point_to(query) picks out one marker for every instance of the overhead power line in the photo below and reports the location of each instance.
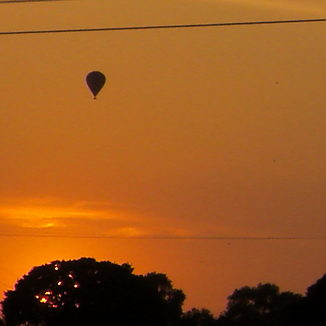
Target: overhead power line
(155, 27)
(19, 1)
(158, 237)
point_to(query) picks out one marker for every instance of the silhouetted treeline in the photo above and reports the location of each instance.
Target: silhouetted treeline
(87, 292)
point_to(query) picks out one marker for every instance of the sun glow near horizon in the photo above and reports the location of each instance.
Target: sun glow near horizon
(80, 219)
(45, 214)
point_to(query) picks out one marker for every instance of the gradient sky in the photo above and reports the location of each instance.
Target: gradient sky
(197, 133)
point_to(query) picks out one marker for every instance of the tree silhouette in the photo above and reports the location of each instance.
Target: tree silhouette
(198, 317)
(310, 310)
(86, 292)
(257, 306)
(316, 295)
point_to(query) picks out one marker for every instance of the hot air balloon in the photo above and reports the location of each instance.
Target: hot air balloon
(95, 81)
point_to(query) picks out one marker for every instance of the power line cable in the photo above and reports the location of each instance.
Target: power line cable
(228, 238)
(19, 1)
(156, 27)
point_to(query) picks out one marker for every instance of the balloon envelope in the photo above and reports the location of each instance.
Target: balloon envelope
(95, 81)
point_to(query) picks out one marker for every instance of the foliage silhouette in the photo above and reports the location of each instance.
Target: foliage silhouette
(87, 292)
(198, 317)
(257, 306)
(310, 310)
(316, 301)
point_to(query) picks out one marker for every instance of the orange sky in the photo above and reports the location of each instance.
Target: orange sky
(197, 133)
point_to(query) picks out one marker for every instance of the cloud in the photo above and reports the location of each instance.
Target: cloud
(54, 217)
(57, 217)
(30, 214)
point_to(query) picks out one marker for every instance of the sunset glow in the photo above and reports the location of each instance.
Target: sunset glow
(203, 157)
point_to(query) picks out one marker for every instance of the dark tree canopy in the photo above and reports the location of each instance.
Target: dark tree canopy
(317, 292)
(316, 303)
(257, 306)
(198, 317)
(87, 292)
